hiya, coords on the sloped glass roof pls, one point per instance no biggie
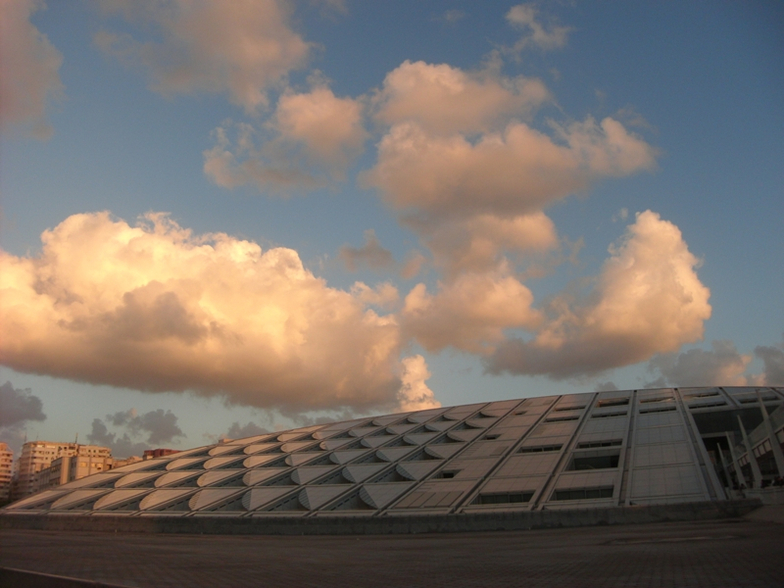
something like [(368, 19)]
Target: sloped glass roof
[(508, 455)]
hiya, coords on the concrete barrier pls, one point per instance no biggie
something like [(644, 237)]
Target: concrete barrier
[(771, 496), (407, 524)]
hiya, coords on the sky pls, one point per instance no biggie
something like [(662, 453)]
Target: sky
[(221, 218)]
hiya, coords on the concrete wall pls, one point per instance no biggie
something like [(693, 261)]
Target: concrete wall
[(347, 525)]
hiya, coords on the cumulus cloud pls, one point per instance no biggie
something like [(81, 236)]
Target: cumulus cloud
[(647, 300), (535, 33), (414, 393), (723, 365), (488, 192), (328, 128), (18, 406), (231, 163), (444, 99), (371, 254), (140, 432), (510, 173), (773, 359), (121, 446), (482, 242), (30, 67), (161, 426), (237, 431), (157, 308), (311, 139), (241, 48), (470, 313)]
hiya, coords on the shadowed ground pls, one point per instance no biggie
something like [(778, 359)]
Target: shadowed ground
[(734, 552)]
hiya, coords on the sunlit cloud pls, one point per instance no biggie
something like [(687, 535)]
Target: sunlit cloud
[(29, 68), (511, 173), (722, 365), (480, 243), (444, 99), (470, 314), (240, 48), (535, 33), (647, 300), (414, 393), (156, 308), (473, 200), (311, 139)]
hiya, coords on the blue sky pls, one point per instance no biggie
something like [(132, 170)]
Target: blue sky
[(562, 197)]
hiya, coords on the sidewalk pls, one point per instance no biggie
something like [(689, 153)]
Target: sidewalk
[(735, 552)]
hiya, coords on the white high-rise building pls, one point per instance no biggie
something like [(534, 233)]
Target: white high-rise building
[(38, 456)]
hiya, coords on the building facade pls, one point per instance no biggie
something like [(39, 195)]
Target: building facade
[(594, 450), (6, 472), (86, 461), (34, 471)]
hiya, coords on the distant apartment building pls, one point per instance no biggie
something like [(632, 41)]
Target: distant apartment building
[(160, 452), (38, 456), (88, 460), (118, 463), (6, 472)]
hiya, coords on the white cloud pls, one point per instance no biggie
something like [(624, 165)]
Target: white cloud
[(470, 313), (315, 136), (647, 300), (240, 48), (444, 99), (329, 128), (773, 359), (524, 17), (414, 393), (479, 243), (512, 173), (474, 200), (723, 365), (29, 73), (156, 308)]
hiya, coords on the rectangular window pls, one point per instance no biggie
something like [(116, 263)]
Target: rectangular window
[(708, 404), (607, 415), (593, 444), (565, 408), (447, 474), (658, 409), (541, 449), (753, 399), (491, 436), (657, 399), (504, 498), (583, 493), (556, 419), (613, 402), (703, 395), (595, 460)]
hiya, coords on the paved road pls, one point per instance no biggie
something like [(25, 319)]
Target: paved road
[(741, 552)]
